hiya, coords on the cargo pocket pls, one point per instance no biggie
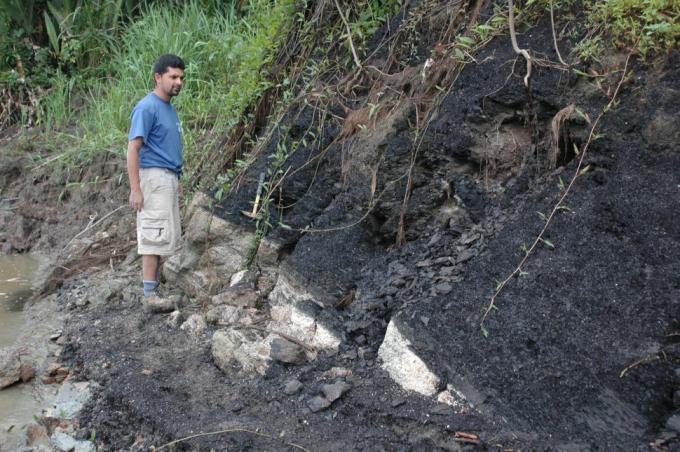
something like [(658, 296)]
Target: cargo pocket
[(154, 225)]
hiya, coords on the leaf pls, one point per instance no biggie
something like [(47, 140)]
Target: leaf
[(585, 170), (548, 242), (485, 332), (52, 34), (542, 215), (285, 226)]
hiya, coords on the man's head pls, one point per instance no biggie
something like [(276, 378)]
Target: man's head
[(168, 72)]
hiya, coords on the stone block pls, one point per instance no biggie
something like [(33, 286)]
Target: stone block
[(403, 365), (10, 367)]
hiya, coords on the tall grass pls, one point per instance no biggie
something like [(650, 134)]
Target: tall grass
[(223, 52)]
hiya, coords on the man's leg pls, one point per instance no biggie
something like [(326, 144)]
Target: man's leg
[(150, 273)]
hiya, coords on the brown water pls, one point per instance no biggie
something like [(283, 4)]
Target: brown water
[(20, 402)]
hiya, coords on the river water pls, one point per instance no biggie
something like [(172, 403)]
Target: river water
[(18, 403)]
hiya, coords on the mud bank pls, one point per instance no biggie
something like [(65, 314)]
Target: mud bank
[(336, 339)]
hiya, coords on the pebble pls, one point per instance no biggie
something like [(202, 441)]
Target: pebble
[(292, 387), (336, 390), (318, 403)]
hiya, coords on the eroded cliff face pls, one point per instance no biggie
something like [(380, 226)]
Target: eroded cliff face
[(391, 225)]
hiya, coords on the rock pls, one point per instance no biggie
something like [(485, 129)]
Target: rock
[(286, 351), (63, 442), (66, 443), (237, 296), (26, 373), (403, 365), (443, 288), (204, 227), (70, 399), (318, 403), (160, 305), (294, 311), (673, 423), (174, 319), (466, 255), (336, 390), (244, 278), (194, 325), (365, 353), (270, 250), (398, 402), (238, 350), (176, 267), (292, 387), (226, 314), (36, 435), (227, 258), (10, 367)]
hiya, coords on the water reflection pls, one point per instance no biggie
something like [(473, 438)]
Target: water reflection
[(17, 403), (16, 277)]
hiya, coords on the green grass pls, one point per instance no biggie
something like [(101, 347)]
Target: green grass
[(223, 52), (648, 26)]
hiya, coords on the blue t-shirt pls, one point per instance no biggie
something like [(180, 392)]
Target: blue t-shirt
[(156, 121)]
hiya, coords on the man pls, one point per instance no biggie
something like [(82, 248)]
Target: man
[(154, 164)]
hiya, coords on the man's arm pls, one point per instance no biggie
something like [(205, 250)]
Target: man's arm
[(136, 196)]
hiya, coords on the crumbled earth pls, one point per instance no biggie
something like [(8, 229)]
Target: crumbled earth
[(580, 351)]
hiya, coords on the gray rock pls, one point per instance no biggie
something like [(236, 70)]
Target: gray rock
[(70, 399), (158, 304), (238, 350), (174, 319), (66, 443), (287, 352), (318, 403), (244, 278), (237, 296), (292, 387), (466, 255), (10, 366), (676, 399), (443, 288), (673, 423), (227, 258), (194, 325), (336, 390), (224, 314)]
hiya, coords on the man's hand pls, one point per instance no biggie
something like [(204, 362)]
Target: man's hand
[(136, 199)]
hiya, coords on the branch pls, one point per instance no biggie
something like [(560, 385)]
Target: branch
[(349, 35)]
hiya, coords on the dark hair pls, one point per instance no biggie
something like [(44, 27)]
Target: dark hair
[(166, 61)]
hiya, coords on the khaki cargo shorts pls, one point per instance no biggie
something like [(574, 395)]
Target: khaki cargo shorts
[(158, 223)]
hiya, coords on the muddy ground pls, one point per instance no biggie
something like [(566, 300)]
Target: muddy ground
[(598, 297)]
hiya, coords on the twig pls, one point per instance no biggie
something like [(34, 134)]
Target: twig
[(513, 38), (557, 206), (219, 432), (349, 36), (639, 362), (552, 23), (288, 337), (90, 226)]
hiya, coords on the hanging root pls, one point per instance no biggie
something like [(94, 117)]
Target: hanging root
[(555, 131), (513, 38)]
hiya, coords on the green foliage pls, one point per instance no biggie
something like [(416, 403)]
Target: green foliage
[(224, 53), (650, 26)]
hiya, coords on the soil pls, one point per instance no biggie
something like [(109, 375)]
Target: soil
[(581, 352)]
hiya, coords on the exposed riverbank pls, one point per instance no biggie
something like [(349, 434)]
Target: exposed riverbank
[(335, 338)]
